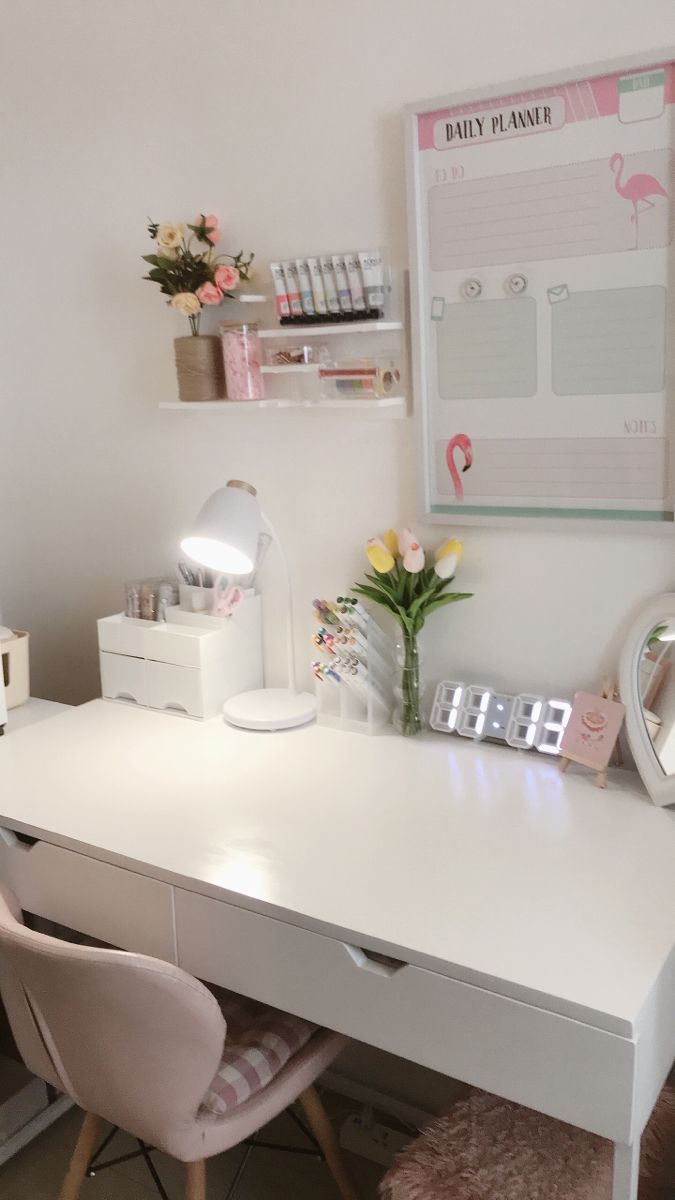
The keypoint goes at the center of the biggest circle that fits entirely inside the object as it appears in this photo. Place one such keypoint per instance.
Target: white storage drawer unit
(559, 1066)
(190, 664)
(106, 902)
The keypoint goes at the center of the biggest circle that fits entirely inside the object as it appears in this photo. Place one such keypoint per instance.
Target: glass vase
(407, 686)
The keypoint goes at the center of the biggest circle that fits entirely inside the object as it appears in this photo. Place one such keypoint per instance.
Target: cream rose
(185, 303)
(170, 235)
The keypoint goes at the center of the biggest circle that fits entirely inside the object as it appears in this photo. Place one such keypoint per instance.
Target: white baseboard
(42, 1121)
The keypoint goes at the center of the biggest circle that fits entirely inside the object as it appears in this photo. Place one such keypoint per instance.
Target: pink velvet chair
(141, 1044)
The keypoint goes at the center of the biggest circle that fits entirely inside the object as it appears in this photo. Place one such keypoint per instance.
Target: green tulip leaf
(450, 598)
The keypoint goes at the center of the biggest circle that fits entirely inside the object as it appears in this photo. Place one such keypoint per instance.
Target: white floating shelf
(392, 405)
(340, 327)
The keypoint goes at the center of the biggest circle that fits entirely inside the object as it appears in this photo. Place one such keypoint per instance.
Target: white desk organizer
(362, 702)
(15, 668)
(189, 664)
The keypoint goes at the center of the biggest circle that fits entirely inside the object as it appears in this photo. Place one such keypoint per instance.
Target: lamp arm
(290, 645)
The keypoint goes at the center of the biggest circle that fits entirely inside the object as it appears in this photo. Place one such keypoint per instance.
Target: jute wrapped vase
(199, 365)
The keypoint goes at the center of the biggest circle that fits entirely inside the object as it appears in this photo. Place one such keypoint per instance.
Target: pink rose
(212, 231)
(226, 278)
(208, 294)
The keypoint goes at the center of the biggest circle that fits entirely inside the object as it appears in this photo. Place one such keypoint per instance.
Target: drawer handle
(371, 960)
(20, 841)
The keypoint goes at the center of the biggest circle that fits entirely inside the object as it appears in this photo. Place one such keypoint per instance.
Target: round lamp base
(270, 708)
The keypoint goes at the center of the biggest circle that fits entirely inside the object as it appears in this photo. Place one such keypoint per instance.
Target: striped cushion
(258, 1043)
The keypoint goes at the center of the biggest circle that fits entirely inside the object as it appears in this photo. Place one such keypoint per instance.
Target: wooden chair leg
(83, 1153)
(324, 1133)
(195, 1180)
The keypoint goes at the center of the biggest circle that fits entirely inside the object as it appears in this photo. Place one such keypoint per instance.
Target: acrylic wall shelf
(332, 330)
(294, 386)
(384, 406)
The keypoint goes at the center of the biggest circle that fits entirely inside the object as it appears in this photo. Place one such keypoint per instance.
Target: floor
(36, 1173)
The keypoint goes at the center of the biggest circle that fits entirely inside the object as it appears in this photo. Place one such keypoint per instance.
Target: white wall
(283, 116)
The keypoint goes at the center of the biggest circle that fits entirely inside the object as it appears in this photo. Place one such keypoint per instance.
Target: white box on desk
(190, 664)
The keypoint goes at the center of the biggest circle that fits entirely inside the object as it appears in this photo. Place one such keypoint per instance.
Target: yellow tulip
(390, 540)
(379, 557)
(452, 546)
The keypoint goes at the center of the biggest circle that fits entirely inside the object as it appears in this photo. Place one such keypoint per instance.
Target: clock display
(525, 721)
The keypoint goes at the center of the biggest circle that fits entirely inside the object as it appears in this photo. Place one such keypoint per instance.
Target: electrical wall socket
(364, 1136)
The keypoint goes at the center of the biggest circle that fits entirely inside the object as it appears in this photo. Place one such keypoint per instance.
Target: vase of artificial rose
(410, 588)
(190, 273)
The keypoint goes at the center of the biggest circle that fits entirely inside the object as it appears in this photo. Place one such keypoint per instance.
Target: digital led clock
(526, 722)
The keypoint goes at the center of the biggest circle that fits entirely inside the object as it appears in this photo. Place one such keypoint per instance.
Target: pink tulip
(405, 540)
(226, 278)
(413, 559)
(209, 294)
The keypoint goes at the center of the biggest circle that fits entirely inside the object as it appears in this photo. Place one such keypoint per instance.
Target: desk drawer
(548, 1062)
(106, 902)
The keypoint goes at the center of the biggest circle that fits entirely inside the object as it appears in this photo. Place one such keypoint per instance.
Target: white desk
(532, 916)
(31, 1110)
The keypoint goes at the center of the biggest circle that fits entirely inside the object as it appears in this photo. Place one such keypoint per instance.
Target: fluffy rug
(490, 1149)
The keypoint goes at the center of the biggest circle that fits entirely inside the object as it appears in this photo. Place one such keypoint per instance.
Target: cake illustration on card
(592, 730)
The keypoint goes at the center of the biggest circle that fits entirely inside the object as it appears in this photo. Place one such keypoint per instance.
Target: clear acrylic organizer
(353, 679)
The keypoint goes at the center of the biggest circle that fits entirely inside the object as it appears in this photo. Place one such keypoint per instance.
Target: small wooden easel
(601, 763)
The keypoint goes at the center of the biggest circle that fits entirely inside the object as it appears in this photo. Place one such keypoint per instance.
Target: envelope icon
(558, 292)
(437, 308)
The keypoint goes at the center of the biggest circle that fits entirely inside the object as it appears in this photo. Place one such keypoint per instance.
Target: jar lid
(225, 326)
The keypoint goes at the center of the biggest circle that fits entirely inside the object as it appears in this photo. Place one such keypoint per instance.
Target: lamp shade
(225, 534)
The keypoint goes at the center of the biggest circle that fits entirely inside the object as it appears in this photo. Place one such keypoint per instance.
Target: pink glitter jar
(242, 358)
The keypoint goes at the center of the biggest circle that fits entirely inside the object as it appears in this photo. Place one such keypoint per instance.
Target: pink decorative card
(592, 730)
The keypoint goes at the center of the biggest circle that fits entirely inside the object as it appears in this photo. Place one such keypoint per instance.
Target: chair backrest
(134, 1040)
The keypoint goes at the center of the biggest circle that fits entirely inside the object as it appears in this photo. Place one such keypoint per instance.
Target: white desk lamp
(225, 538)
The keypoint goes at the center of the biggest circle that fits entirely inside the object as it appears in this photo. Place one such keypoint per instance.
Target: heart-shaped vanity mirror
(647, 686)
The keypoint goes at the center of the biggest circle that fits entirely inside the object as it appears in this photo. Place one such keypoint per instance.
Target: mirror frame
(661, 787)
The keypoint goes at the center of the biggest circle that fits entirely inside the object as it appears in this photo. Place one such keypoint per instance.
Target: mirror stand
(647, 687)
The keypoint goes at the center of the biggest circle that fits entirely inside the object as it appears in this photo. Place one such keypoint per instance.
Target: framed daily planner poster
(541, 220)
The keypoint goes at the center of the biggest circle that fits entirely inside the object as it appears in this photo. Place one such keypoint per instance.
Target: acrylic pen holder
(353, 677)
(189, 664)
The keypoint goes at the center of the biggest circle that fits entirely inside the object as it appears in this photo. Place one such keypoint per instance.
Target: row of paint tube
(330, 287)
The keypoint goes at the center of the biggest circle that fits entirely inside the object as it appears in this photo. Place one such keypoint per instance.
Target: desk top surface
(481, 862)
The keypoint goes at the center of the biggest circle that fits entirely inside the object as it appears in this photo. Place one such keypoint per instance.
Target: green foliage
(409, 596)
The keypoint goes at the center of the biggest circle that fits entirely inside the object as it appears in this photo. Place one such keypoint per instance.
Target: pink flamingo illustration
(637, 189)
(463, 443)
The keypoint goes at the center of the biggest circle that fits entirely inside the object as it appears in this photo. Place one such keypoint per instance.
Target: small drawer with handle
(124, 678)
(177, 689)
